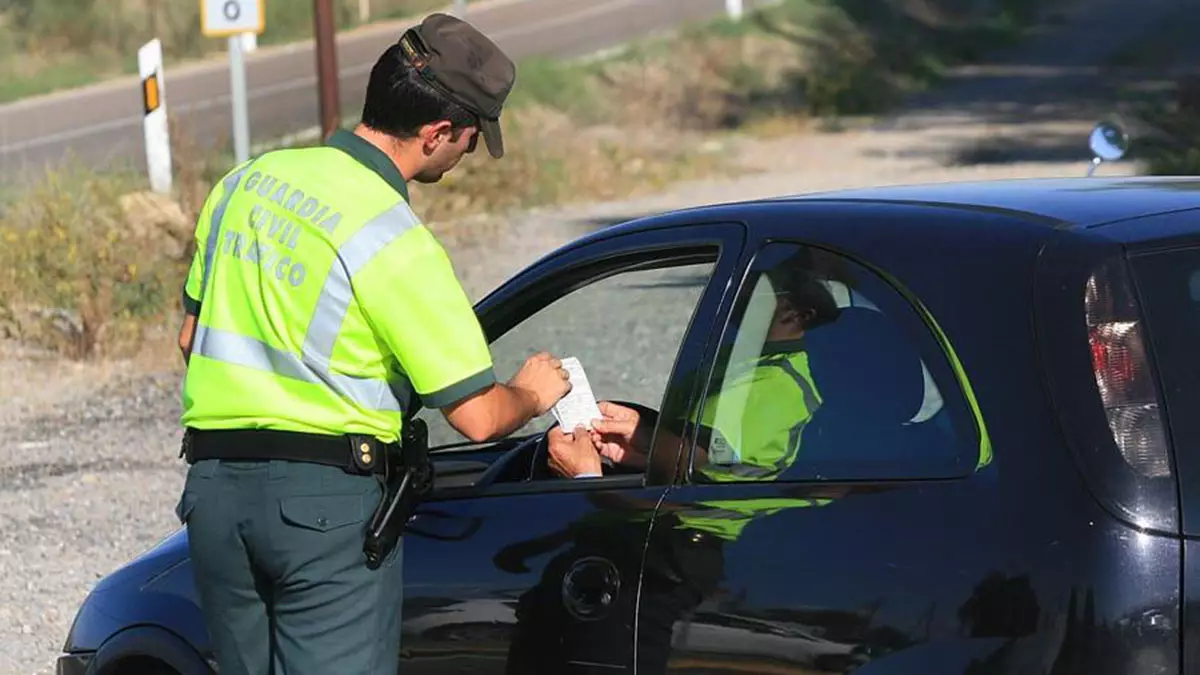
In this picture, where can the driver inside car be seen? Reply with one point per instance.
(751, 428)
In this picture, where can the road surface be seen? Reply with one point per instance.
(89, 474)
(102, 124)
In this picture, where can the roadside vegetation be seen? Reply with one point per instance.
(1162, 100)
(77, 278)
(1167, 133)
(47, 45)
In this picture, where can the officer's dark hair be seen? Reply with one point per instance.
(399, 102)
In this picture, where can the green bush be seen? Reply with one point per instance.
(74, 275)
(53, 44)
(1169, 132)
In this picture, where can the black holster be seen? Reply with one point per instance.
(406, 482)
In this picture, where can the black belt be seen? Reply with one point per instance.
(354, 453)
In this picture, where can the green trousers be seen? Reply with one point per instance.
(281, 578)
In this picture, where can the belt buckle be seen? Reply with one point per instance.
(364, 453)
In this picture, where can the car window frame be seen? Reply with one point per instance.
(1179, 435)
(933, 338)
(582, 263)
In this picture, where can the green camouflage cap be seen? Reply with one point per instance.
(463, 64)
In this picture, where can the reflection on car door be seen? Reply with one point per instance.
(838, 420)
(545, 584)
(535, 573)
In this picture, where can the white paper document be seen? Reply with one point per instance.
(578, 407)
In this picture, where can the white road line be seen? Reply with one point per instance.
(299, 82)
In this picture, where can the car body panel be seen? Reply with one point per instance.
(1073, 202)
(896, 579)
(498, 602)
(1026, 563)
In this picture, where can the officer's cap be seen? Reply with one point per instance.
(463, 64)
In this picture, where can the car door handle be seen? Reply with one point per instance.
(590, 588)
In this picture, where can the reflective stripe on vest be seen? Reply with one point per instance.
(313, 364)
(214, 231)
(239, 350)
(755, 471)
(337, 292)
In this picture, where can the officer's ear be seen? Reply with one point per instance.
(434, 134)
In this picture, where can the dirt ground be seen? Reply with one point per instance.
(91, 449)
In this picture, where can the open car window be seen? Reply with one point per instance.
(625, 322)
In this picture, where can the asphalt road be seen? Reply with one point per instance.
(103, 123)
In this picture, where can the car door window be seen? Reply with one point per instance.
(827, 373)
(625, 326)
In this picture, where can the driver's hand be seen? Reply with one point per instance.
(613, 436)
(573, 454)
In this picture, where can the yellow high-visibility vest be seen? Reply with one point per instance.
(324, 304)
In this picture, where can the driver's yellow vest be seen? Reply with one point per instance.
(755, 439)
(324, 304)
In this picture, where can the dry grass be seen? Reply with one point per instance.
(1167, 136)
(549, 160)
(91, 266)
(79, 275)
(46, 45)
(90, 271)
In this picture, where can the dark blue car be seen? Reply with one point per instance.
(1000, 473)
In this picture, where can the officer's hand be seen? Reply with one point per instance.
(543, 376)
(572, 455)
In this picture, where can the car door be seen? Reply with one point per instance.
(830, 417)
(508, 567)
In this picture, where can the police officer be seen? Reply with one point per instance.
(319, 310)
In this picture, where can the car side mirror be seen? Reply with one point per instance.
(1108, 142)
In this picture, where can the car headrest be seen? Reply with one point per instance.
(864, 362)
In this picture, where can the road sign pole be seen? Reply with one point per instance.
(734, 9)
(327, 72)
(154, 124)
(236, 20)
(237, 84)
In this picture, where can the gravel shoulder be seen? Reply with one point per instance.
(89, 472)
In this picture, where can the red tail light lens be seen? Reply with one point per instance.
(1123, 374)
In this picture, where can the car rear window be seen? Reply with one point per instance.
(1168, 288)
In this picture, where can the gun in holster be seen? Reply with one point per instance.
(407, 480)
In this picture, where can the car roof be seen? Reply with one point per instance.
(1073, 203)
(1068, 202)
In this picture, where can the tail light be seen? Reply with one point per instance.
(1123, 374)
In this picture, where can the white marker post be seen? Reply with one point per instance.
(734, 9)
(460, 8)
(232, 19)
(154, 123)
